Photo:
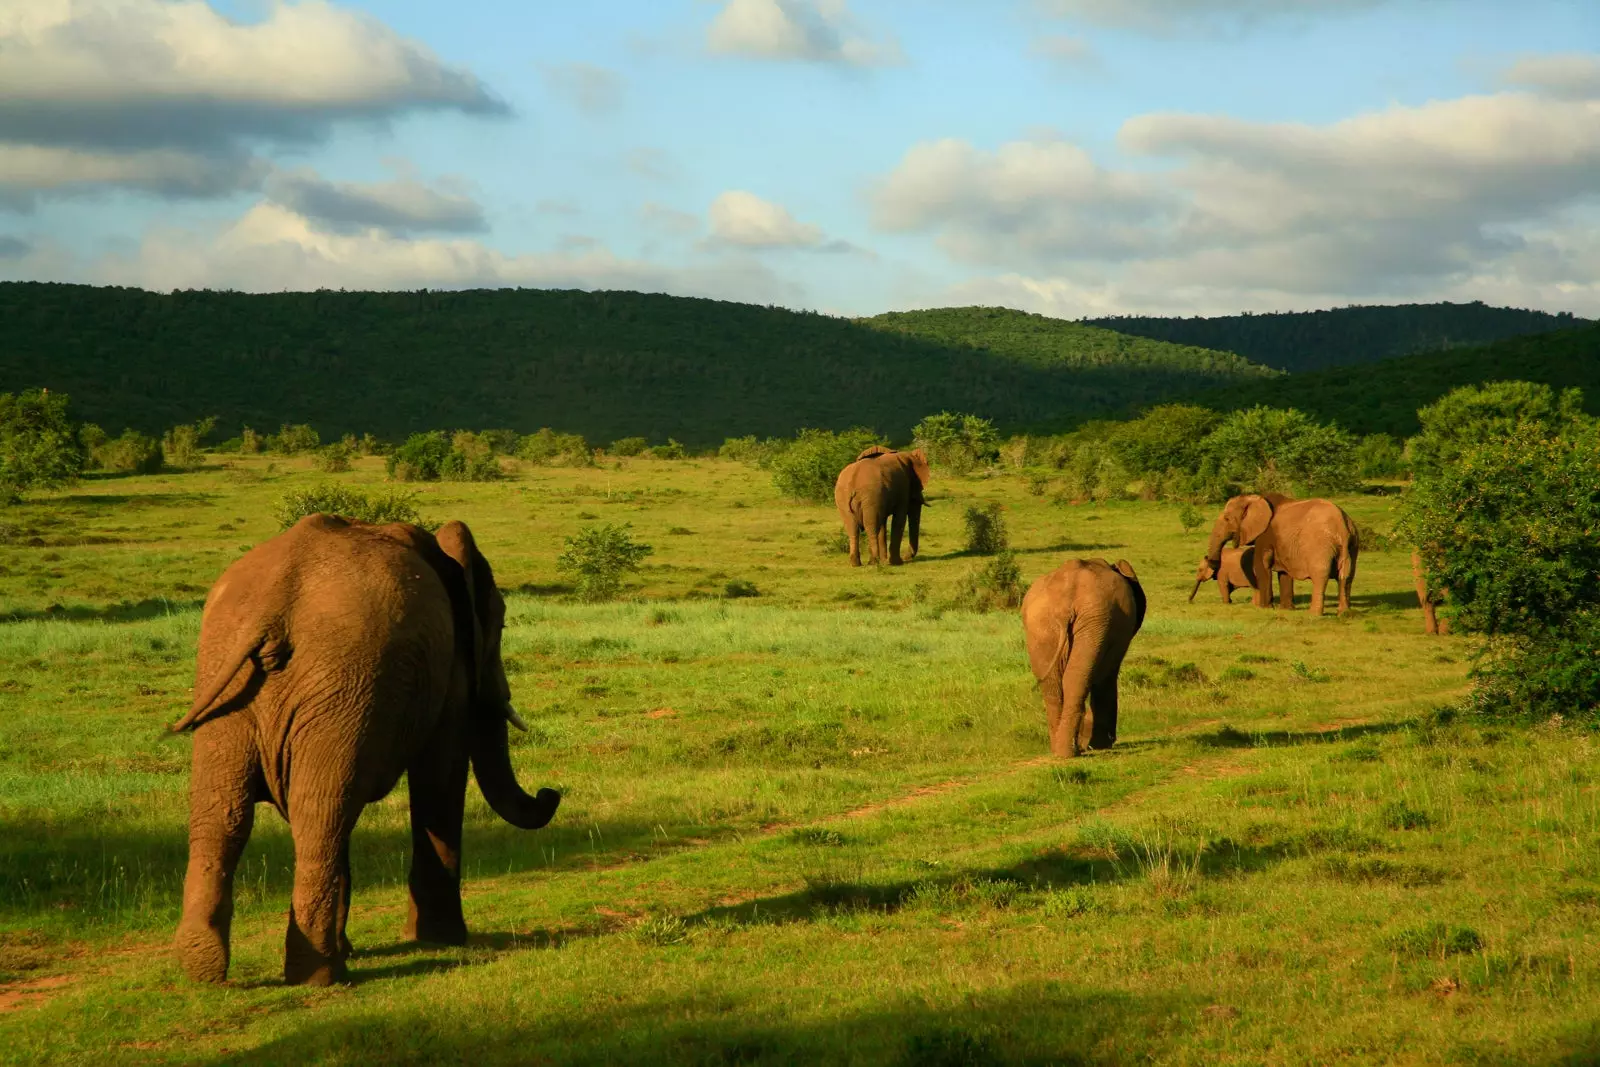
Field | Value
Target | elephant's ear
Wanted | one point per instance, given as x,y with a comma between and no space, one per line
480,612
1257,516
919,466
1124,568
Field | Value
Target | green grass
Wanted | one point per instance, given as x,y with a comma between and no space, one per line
815,825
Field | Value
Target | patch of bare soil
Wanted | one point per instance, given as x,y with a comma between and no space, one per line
32,992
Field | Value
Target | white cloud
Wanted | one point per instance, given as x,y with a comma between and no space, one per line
743,220
1575,75
1498,192
1066,53
271,248
1167,16
147,81
402,206
820,31
593,90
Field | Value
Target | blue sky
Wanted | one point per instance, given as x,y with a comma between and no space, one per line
1073,157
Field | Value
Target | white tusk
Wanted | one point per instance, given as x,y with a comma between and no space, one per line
514,719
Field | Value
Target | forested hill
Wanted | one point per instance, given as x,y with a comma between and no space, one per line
1384,397
1316,340
607,365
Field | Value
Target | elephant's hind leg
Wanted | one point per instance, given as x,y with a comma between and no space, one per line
438,782
897,533
1103,720
314,945
223,790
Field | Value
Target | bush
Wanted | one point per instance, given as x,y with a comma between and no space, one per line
1191,518
670,450
960,443
502,442
1377,455
180,446
371,446
1164,438
739,588
293,440
547,448
1476,414
986,529
331,499
628,446
132,453
1280,449
38,448
809,466
249,442
420,459
989,586
598,556
1508,526
334,459
470,459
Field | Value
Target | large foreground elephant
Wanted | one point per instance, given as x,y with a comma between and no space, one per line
334,658
1304,540
1078,621
882,487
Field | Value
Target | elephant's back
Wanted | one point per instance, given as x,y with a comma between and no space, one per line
1075,585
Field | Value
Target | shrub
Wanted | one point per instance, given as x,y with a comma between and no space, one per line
1280,449
420,459
470,459
1191,518
671,450
132,453
991,585
180,446
739,588
598,556
502,442
334,459
331,499
808,467
1508,526
249,442
38,448
1476,414
986,529
1377,455
1164,438
547,448
293,440
628,446
371,446
960,443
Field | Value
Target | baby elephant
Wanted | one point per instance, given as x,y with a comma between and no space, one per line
1078,621
1236,571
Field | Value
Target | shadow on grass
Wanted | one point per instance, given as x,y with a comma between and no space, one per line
1060,546
1029,1023
131,500
1397,599
127,611
1230,737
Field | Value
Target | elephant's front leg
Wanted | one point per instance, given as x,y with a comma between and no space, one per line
1319,590
1285,591
1103,701
314,948
914,528
438,781
223,788
897,531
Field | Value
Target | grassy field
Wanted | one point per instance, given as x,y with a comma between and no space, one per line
815,825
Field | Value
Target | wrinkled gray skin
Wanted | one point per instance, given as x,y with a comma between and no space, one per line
334,658
882,487
1235,571
1298,540
1078,621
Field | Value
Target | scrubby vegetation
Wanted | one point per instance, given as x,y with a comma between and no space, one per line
598,557
1299,341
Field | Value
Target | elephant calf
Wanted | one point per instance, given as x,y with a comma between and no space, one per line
1234,571
334,658
1078,621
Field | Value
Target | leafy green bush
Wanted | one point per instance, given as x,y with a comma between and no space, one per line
180,446
250,442
38,448
293,440
989,586
1508,526
960,443
752,450
471,459
628,446
1191,518
809,466
740,588
1164,438
547,448
986,529
1377,455
1476,414
1281,449
598,556
334,459
331,499
420,459
671,450
132,453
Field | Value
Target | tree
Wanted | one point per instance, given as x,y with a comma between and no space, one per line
598,556
1268,449
1474,414
959,442
1168,437
39,447
808,468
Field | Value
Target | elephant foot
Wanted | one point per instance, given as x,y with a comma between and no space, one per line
439,926
203,953
303,964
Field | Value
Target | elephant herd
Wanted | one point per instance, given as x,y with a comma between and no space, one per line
340,655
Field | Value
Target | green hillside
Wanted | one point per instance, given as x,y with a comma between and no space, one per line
1316,340
1384,397
606,364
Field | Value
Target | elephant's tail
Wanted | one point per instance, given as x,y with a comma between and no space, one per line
245,647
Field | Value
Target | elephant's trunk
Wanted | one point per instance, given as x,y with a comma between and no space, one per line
491,764
1198,582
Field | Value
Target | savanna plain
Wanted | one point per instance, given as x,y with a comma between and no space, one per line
815,824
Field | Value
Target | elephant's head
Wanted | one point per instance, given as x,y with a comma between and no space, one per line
1202,574
917,463
1243,519
491,708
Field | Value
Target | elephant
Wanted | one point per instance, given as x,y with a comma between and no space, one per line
333,658
1311,540
1428,599
1078,621
879,486
1236,570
